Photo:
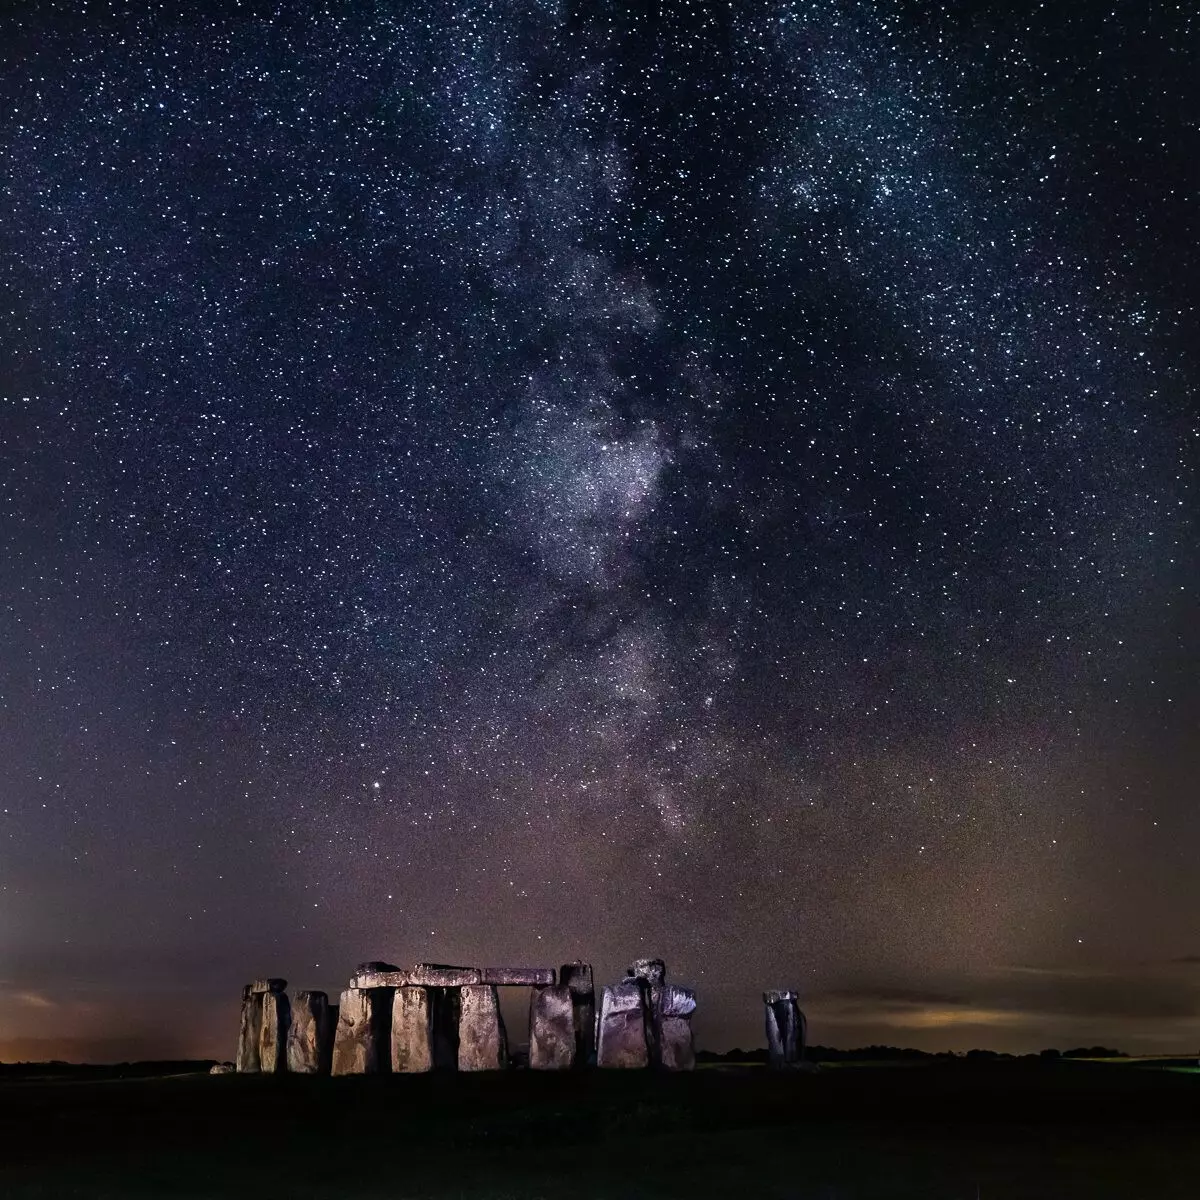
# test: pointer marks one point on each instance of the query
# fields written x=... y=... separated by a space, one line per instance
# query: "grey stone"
x=361 y=1041
x=440 y=975
x=652 y=970
x=676 y=1047
x=310 y=1038
x=368 y=975
x=622 y=1040
x=381 y=979
x=552 y=1042
x=221 y=1068
x=577 y=976
x=678 y=1001
x=412 y=1031
x=786 y=1028
x=517 y=976
x=250 y=1030
x=482 y=1044
x=268 y=985
x=273 y=1035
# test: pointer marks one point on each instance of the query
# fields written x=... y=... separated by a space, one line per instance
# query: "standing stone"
x=251 y=1028
x=273 y=1036
x=552 y=1039
x=482 y=1043
x=577 y=976
x=652 y=974
x=360 y=1044
x=786 y=1027
x=676 y=1045
x=412 y=1031
x=310 y=1038
x=622 y=1041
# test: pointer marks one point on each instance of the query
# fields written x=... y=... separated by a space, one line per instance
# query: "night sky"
x=494 y=482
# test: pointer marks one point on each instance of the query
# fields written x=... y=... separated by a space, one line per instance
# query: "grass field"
x=946 y=1131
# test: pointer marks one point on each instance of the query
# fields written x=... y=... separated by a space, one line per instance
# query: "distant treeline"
x=818 y=1054
x=108 y=1070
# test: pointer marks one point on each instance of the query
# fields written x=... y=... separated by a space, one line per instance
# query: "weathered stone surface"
x=622 y=1041
x=370 y=975
x=786 y=1028
x=440 y=975
x=678 y=1001
x=652 y=970
x=552 y=1043
x=517 y=976
x=268 y=985
x=676 y=1046
x=577 y=976
x=251 y=1029
x=482 y=1044
x=412 y=1031
x=221 y=1068
x=273 y=1036
x=361 y=1041
x=310 y=1038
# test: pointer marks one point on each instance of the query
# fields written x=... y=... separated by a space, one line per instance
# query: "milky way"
x=485 y=481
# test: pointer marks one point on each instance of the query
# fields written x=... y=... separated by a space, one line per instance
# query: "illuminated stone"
x=552 y=1037
x=482 y=1042
x=310 y=1038
x=361 y=1044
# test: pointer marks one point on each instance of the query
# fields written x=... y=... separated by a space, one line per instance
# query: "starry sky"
x=500 y=481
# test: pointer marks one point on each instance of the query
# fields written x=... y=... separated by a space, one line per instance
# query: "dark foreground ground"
x=951 y=1131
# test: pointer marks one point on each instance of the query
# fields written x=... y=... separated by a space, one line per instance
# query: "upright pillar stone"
x=361 y=1044
x=622 y=1041
x=677 y=1049
x=652 y=974
x=786 y=1028
x=251 y=1031
x=577 y=976
x=412 y=1031
x=552 y=1037
x=310 y=1038
x=251 y=1028
x=273 y=1034
x=482 y=1043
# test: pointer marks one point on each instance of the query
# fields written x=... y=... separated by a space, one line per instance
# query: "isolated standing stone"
x=552 y=1043
x=622 y=1041
x=482 y=1044
x=785 y=1028
x=412 y=1031
x=310 y=1038
x=273 y=1036
x=251 y=1028
x=361 y=1042
x=577 y=977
